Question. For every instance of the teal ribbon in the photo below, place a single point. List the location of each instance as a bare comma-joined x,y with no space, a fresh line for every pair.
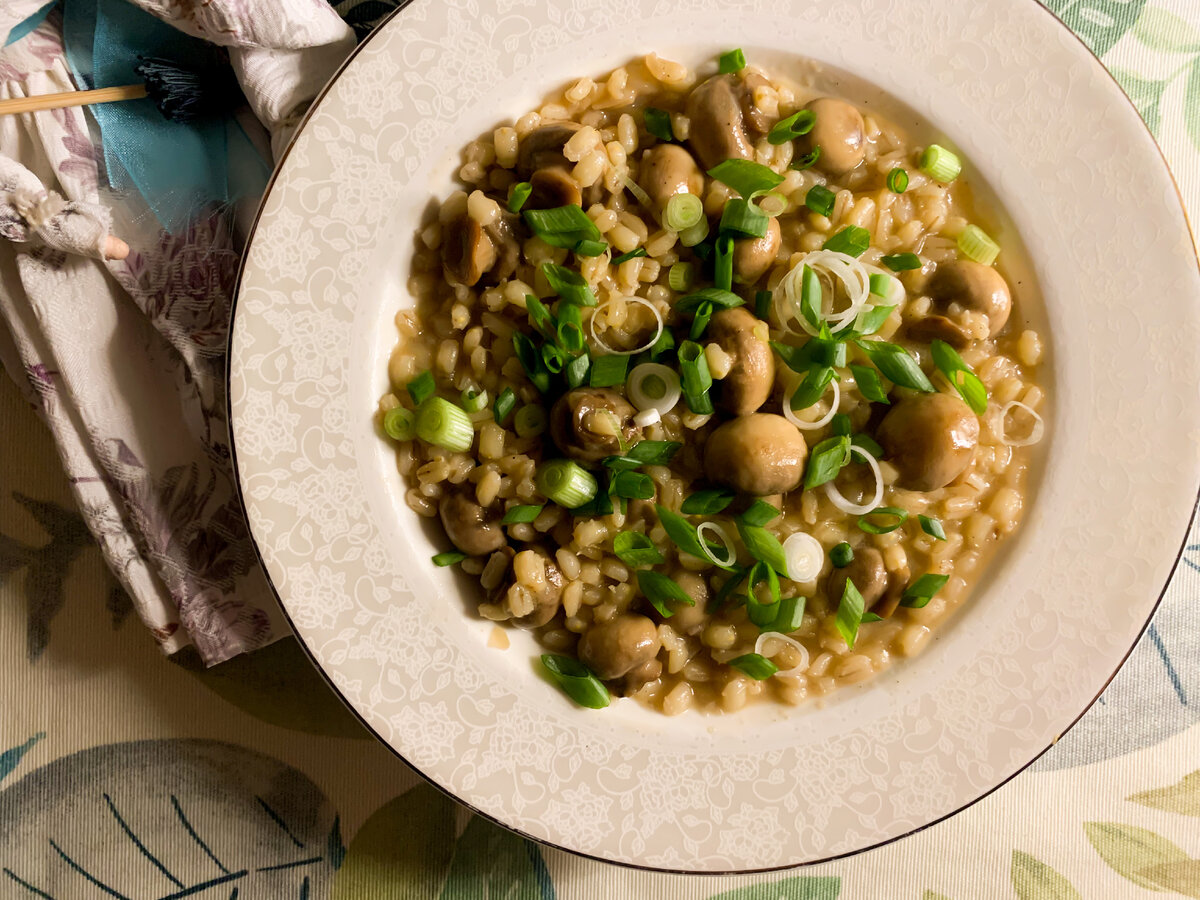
179,169
23,28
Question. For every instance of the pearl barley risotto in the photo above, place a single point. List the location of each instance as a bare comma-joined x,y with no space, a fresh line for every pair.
716,383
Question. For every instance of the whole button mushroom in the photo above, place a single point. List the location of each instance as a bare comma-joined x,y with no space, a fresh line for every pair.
552,188
471,528
589,424
616,647
717,130
752,257
545,598
667,170
840,133
742,335
930,439
867,572
758,454
974,286
687,619
542,148
938,328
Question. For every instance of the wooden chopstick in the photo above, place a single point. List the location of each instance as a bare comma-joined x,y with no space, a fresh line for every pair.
71,98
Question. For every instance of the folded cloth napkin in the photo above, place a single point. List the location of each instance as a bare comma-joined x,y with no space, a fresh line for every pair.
125,359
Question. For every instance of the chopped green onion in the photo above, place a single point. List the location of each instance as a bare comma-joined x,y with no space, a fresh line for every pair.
569,285
790,616
773,204
577,370
974,244
807,161
449,558
664,345
849,613
445,425
760,513
530,420
841,555
720,298
723,263
399,424
620,463
633,485
826,460
661,590
811,297
520,194
635,253
743,219
894,517
521,514
553,358
841,425
897,180
563,226
897,364
940,164
680,277
870,617
932,527
540,317
504,405
737,576
746,177
707,503
703,314
872,319
576,681
683,535
658,123
635,550
812,388
820,200
762,304
695,378
959,374
816,351
733,61
755,665
763,546
918,594
868,443
421,387
762,614
902,262
588,247
600,505
682,211
532,361
794,126
851,240
473,399
887,287
868,383
566,483
608,371
654,453
570,328
690,237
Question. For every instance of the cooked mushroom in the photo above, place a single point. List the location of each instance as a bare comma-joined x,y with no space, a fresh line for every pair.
552,188
930,439
687,619
718,131
534,602
503,235
753,256
743,336
542,148
467,252
867,572
620,645
667,170
840,133
757,119
974,286
938,328
589,424
650,670
759,454
472,529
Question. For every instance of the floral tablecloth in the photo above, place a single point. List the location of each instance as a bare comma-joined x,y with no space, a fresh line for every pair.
124,774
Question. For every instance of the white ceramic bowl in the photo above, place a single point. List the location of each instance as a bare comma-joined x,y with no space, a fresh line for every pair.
1087,191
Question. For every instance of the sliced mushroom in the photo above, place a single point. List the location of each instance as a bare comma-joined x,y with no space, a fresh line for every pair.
471,528
531,606
503,235
667,170
758,454
752,257
839,131
552,188
938,328
718,130
618,646
589,424
974,286
542,148
691,619
756,119
467,252
868,574
743,336
930,439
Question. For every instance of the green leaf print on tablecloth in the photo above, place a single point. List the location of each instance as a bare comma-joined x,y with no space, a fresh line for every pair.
10,759
1034,880
1133,851
803,888
1168,35
409,845
1182,797
1101,23
931,895
1166,32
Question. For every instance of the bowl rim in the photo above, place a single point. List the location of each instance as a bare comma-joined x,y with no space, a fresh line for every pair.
429,779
